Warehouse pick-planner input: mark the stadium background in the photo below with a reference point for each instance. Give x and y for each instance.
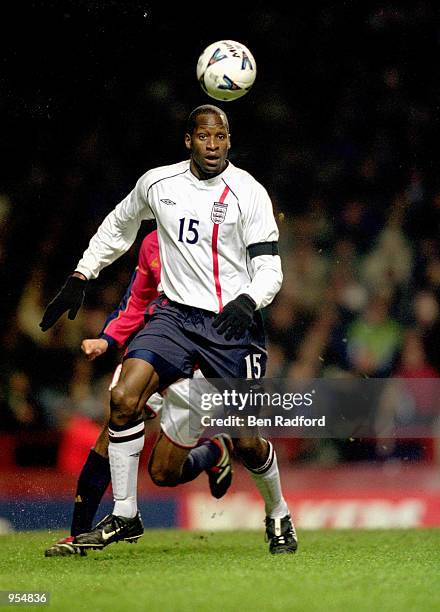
(341, 126)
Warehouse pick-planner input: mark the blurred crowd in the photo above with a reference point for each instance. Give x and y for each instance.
(344, 138)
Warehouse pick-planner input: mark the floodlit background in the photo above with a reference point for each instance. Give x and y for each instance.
(341, 127)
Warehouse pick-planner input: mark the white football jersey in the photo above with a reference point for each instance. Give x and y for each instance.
(204, 229)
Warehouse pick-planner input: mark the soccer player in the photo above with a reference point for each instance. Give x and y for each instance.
(220, 266)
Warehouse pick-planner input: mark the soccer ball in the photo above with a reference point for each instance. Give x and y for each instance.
(226, 70)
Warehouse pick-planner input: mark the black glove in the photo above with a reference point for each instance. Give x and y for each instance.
(236, 317)
(70, 297)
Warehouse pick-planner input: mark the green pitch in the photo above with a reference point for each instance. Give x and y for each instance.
(184, 571)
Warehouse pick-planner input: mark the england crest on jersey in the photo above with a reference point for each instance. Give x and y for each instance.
(218, 213)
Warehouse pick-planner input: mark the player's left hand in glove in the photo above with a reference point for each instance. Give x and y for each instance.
(70, 297)
(236, 317)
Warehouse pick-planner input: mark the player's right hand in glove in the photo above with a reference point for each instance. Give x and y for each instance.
(70, 297)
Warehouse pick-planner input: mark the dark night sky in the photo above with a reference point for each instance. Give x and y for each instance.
(94, 93)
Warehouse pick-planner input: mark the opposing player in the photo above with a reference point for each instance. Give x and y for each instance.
(214, 455)
(220, 265)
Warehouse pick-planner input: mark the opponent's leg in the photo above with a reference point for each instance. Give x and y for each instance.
(259, 458)
(180, 454)
(171, 465)
(166, 462)
(92, 484)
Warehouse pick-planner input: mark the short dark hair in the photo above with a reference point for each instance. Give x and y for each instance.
(205, 109)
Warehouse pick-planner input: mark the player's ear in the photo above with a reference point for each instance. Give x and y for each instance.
(188, 141)
(229, 141)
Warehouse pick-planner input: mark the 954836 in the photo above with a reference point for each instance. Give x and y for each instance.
(21, 598)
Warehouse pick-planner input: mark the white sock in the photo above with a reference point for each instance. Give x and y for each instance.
(267, 479)
(124, 449)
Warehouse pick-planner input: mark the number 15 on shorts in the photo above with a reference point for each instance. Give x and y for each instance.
(253, 365)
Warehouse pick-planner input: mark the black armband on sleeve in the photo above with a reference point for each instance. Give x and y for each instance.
(263, 248)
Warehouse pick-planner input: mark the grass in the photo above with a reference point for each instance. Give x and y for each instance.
(183, 571)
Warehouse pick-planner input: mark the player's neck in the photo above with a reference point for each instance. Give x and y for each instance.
(203, 176)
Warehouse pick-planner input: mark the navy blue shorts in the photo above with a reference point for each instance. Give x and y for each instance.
(178, 338)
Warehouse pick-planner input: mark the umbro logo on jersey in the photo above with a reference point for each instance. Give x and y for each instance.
(168, 202)
(218, 213)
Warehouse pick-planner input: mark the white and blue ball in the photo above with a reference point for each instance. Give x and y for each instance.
(226, 70)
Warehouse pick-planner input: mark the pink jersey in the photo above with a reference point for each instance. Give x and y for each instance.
(128, 317)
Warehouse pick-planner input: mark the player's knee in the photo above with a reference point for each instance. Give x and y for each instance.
(123, 404)
(163, 476)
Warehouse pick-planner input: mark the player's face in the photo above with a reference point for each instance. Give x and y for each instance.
(209, 144)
